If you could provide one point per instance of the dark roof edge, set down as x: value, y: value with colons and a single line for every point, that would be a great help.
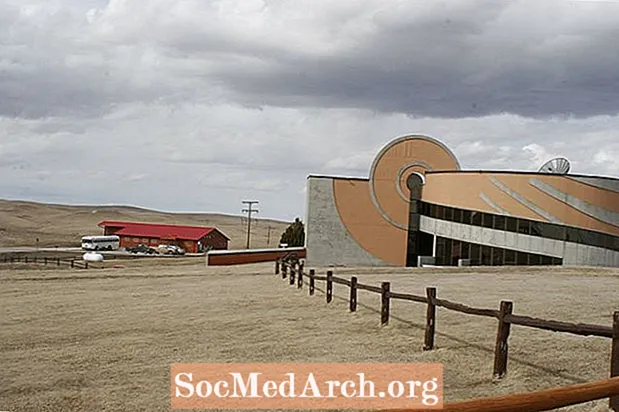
x: 365, y: 179
x: 156, y: 224
x: 514, y: 172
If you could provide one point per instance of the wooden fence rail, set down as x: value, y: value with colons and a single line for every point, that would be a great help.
x: 504, y: 316
x: 538, y: 401
x: 45, y: 260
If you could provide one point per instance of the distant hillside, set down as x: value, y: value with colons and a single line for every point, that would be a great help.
x: 21, y: 223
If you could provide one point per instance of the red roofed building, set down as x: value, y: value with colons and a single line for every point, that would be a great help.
x: 193, y: 239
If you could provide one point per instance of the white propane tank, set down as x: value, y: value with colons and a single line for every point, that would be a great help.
x: 92, y: 257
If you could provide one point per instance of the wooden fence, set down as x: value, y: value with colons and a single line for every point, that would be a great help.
x: 47, y: 260
x: 294, y: 271
x: 544, y: 400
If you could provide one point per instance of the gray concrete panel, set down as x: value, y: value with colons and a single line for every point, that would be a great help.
x: 572, y: 253
x: 328, y: 242
x: 427, y: 225
x: 570, y: 256
x: 511, y: 240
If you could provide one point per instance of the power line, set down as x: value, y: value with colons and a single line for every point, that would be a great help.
x: 249, y: 211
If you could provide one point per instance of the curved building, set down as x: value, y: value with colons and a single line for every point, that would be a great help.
x: 418, y: 206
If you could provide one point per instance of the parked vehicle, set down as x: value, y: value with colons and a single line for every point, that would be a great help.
x: 171, y: 249
x: 141, y: 248
x: 100, y: 242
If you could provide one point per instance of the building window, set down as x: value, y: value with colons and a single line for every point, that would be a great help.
x: 476, y: 218
x: 510, y: 257
x: 466, y: 217
x: 458, y: 215
x: 536, y: 229
x: 553, y: 231
x: 497, y: 256
x: 522, y: 258
x: 522, y: 226
x: 475, y: 254
x: 455, y: 252
x: 486, y: 255
x: 449, y: 251
x: 499, y: 222
x: 449, y: 213
x: 572, y: 235
x: 487, y: 220
x: 465, y: 251
x: 511, y: 224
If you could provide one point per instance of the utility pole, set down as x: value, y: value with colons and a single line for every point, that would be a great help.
x: 249, y: 211
x: 269, y: 235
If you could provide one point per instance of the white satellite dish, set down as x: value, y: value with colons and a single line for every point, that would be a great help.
x: 556, y: 166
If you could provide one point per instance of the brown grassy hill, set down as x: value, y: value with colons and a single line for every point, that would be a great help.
x: 21, y: 223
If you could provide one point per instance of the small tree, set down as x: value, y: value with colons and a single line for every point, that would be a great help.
x: 294, y: 235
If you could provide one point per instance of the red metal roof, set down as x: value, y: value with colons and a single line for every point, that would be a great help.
x: 159, y: 231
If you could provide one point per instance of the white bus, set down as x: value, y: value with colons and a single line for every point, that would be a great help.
x: 100, y: 242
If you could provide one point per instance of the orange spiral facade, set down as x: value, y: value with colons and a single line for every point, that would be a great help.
x: 476, y: 217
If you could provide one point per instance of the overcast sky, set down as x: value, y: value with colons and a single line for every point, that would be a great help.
x: 194, y: 105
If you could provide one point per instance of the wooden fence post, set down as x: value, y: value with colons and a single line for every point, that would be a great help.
x: 45, y: 260
x: 86, y: 265
x: 277, y: 263
x: 614, y: 360
x: 384, y: 307
x: 292, y: 273
x: 300, y: 277
x: 26, y: 259
x: 311, y: 282
x: 428, y: 343
x: 353, y: 294
x: 329, y: 286
x: 501, y: 348
x: 57, y: 261
x: 72, y: 262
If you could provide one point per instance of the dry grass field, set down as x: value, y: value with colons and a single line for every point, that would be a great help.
x: 21, y: 223
x: 104, y: 339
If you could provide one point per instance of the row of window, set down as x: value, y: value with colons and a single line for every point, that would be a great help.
x: 449, y: 251
x: 520, y: 225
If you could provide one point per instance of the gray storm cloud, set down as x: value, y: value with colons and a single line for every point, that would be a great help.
x: 142, y: 102
x: 448, y: 59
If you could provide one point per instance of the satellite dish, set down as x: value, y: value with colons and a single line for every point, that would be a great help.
x: 556, y: 166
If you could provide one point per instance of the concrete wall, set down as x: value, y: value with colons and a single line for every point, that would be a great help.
x: 327, y: 240
x: 571, y: 253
